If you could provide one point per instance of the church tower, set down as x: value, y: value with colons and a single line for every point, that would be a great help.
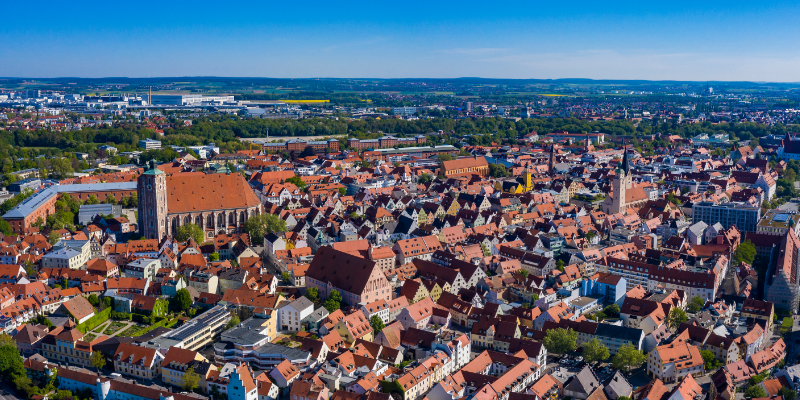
x: 552, y: 162
x: 152, y: 197
x: 620, y: 184
x: 528, y: 180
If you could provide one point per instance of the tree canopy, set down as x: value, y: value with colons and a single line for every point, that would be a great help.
x: 261, y: 225
x: 560, y: 341
x: 594, y: 350
x: 628, y: 357
x: 193, y: 231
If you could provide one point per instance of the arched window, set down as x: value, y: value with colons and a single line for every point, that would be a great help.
x: 187, y: 219
x: 221, y: 219
x: 210, y: 221
x: 231, y: 218
x: 198, y: 220
x: 241, y: 218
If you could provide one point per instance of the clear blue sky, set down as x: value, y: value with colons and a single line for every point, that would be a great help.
x: 697, y: 40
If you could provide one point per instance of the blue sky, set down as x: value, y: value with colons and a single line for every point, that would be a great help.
x: 729, y: 40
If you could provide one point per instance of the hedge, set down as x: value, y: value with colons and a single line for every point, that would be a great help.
x: 93, y: 322
x: 161, y: 322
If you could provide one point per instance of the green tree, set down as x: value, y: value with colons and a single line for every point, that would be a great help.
x: 181, y: 301
x: 334, y: 301
x: 755, y: 391
x: 297, y: 181
x: 92, y: 200
x: 560, y: 265
x: 233, y: 322
x: 342, y: 191
x: 708, y: 358
x: 787, y: 393
x: 612, y: 311
x: 498, y: 171
x: 628, y: 357
x: 190, y: 380
x: 594, y: 350
x: 676, y: 318
x: 523, y: 273
x: 5, y: 228
x: 424, y: 178
x: 696, y: 304
x: 286, y: 278
x: 10, y: 360
x: 110, y: 199
x: 98, y: 360
x: 312, y: 294
x: 445, y: 157
x: 590, y: 236
x: 93, y: 299
x: 263, y: 224
x: 213, y: 256
x: 786, y: 325
x: 377, y: 324
x: 187, y: 231
x: 560, y: 341
x: 746, y: 252
x: 53, y: 237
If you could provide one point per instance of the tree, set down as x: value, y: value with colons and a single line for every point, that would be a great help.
x: 190, y: 380
x: 10, y: 360
x: 595, y: 351
x: 787, y: 393
x: 696, y: 304
x: 187, y: 231
x: 110, y: 200
x: 755, y: 391
x: 590, y: 236
x: 286, y: 278
x: 263, y: 224
x: 312, y: 294
x: 213, y: 256
x: 498, y: 171
x: 233, y: 322
x: 297, y: 181
x: 92, y: 200
x: 53, y: 237
x: 746, y: 252
x: 424, y: 178
x: 523, y: 273
x: 560, y: 265
x: 342, y: 191
x: 98, y: 360
x: 5, y: 227
x: 93, y: 300
x: 181, y: 301
x: 561, y: 340
x: 612, y: 311
x: 377, y: 324
x: 709, y: 359
x: 676, y: 318
x: 628, y: 357
x: 334, y: 301
x: 786, y: 325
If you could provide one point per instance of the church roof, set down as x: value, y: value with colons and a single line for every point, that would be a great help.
x: 192, y: 192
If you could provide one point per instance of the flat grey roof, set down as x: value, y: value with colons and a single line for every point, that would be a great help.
x: 32, y: 203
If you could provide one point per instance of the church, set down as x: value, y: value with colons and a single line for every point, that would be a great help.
x: 218, y: 203
x: 624, y: 194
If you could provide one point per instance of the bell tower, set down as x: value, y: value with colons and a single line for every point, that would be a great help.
x: 152, y: 198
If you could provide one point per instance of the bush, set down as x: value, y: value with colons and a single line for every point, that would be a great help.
x: 122, y: 316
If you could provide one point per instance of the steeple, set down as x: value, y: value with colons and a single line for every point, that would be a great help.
x: 552, y: 162
x: 625, y: 167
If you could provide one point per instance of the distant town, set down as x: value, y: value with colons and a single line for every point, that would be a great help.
x: 343, y: 239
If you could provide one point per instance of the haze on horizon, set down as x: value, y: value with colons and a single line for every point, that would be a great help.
x: 730, y: 41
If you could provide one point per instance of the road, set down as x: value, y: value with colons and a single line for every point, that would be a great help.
x: 789, y: 206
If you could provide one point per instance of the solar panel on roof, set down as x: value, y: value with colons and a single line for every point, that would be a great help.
x: 781, y: 218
